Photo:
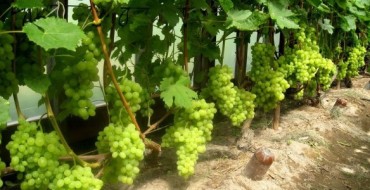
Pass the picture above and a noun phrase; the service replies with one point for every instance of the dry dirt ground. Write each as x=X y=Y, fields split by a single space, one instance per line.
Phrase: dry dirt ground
x=315 y=148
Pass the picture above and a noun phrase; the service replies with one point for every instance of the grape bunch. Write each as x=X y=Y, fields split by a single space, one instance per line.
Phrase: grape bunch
x=35 y=153
x=304 y=62
x=127 y=149
x=269 y=83
x=114 y=3
x=191 y=130
x=81 y=12
x=342 y=69
x=146 y=103
x=168 y=69
x=26 y=60
x=81 y=73
x=132 y=92
x=76 y=177
x=237 y=104
x=356 y=59
x=2 y=167
x=8 y=80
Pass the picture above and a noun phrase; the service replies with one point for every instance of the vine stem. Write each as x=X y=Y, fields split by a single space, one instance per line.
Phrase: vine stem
x=18 y=107
x=98 y=157
x=186 y=17
x=11 y=32
x=15 y=95
x=223 y=48
x=155 y=125
x=55 y=125
x=108 y=63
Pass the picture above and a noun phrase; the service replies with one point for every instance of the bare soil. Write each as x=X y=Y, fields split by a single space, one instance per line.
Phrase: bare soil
x=321 y=148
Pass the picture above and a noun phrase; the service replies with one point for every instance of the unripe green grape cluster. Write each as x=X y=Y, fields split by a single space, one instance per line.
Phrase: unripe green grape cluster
x=356 y=59
x=114 y=3
x=35 y=153
x=269 y=83
x=342 y=69
x=327 y=70
x=8 y=80
x=237 y=104
x=127 y=149
x=80 y=76
x=81 y=12
x=146 y=102
x=191 y=130
x=26 y=60
x=132 y=92
x=76 y=177
x=168 y=69
x=2 y=167
x=304 y=62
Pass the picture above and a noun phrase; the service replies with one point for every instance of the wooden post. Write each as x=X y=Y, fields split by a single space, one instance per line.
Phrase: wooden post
x=276 y=119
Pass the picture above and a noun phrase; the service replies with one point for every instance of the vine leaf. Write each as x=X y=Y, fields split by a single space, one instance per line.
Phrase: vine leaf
x=177 y=92
x=54 y=32
x=39 y=84
x=348 y=23
x=245 y=20
x=281 y=14
x=24 y=4
x=326 y=25
x=4 y=112
x=227 y=5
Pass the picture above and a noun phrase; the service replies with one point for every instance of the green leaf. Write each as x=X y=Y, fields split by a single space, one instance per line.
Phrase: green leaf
x=24 y=4
x=245 y=20
x=227 y=5
x=326 y=25
x=39 y=84
x=177 y=92
x=54 y=32
x=253 y=22
x=238 y=15
x=348 y=23
x=281 y=15
x=4 y=112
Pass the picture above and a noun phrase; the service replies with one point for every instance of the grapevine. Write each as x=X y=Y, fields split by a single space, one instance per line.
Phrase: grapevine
x=235 y=103
x=127 y=149
x=191 y=130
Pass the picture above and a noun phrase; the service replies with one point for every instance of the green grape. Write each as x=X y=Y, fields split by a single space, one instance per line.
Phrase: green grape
x=132 y=92
x=81 y=72
x=35 y=153
x=191 y=130
x=146 y=103
x=299 y=95
x=114 y=3
x=8 y=80
x=232 y=102
x=2 y=167
x=356 y=59
x=304 y=62
x=26 y=61
x=269 y=84
x=127 y=149
x=342 y=69
x=168 y=69
x=77 y=177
